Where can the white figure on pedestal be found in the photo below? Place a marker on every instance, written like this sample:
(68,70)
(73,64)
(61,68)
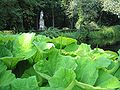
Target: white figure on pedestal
(41,21)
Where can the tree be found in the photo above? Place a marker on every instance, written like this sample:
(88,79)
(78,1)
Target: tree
(93,11)
(18,14)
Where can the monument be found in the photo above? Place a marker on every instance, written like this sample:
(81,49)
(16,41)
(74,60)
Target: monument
(41,21)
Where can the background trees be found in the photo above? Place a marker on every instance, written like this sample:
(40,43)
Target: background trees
(24,14)
(18,14)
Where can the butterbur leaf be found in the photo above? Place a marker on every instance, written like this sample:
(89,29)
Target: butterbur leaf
(63,41)
(28,73)
(117,74)
(41,38)
(31,72)
(106,80)
(77,88)
(62,78)
(25,84)
(99,62)
(54,61)
(11,62)
(21,49)
(5,88)
(2,67)
(113,67)
(24,41)
(83,50)
(86,71)
(66,62)
(71,48)
(107,54)
(7,37)
(43,45)
(50,88)
(4,52)
(7,56)
(6,77)
(41,68)
(46,66)
(23,45)
(111,55)
(83,86)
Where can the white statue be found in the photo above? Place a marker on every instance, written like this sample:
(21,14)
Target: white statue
(41,21)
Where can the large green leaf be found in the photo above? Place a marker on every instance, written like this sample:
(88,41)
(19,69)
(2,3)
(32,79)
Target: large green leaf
(107,80)
(41,44)
(41,50)
(41,38)
(78,50)
(50,88)
(21,49)
(53,62)
(31,72)
(5,52)
(7,37)
(83,50)
(117,74)
(11,61)
(113,67)
(98,62)
(62,78)
(71,48)
(97,52)
(25,84)
(62,41)
(83,86)
(6,77)
(44,45)
(23,45)
(87,70)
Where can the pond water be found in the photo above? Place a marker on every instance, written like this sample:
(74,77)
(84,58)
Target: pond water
(112,44)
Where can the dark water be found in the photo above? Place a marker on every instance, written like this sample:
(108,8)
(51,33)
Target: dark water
(112,44)
(115,47)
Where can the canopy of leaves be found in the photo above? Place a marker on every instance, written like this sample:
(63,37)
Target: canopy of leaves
(72,67)
(112,6)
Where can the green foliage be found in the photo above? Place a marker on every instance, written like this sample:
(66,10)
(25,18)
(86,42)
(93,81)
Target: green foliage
(72,67)
(14,14)
(62,41)
(10,13)
(51,32)
(25,84)
(93,10)
(19,49)
(86,10)
(112,6)
(106,32)
(6,77)
(90,12)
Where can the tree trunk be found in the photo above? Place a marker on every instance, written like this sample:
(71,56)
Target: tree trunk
(53,17)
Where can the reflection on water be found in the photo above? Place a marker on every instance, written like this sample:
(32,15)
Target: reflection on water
(106,38)
(107,44)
